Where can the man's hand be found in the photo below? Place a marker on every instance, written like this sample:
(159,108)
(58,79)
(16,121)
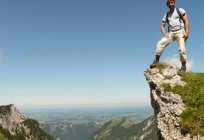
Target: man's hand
(185,36)
(166,35)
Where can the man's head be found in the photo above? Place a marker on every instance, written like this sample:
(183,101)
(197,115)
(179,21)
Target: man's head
(171,4)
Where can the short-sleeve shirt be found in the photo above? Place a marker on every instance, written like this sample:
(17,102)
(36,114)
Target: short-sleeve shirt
(175,22)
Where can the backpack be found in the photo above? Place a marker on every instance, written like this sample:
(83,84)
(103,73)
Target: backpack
(179,13)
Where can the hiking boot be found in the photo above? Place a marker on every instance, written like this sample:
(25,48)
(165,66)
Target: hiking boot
(183,68)
(154,64)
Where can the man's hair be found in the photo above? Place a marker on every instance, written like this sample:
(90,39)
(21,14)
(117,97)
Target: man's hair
(170,0)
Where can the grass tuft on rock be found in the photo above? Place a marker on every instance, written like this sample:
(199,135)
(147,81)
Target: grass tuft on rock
(192,119)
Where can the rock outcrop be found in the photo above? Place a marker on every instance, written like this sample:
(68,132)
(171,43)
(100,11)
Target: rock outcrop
(11,119)
(167,106)
(16,126)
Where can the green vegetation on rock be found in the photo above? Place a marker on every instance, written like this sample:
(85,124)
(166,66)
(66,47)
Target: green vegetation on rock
(4,109)
(2,137)
(36,131)
(192,119)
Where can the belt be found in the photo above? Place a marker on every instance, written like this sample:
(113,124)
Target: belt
(175,30)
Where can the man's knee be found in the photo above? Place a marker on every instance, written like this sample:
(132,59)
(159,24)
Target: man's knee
(161,44)
(183,56)
(182,51)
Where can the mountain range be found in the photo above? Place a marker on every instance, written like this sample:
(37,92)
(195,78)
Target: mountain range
(126,129)
(70,131)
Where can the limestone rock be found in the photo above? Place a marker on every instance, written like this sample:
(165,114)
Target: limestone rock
(12,119)
(17,126)
(167,106)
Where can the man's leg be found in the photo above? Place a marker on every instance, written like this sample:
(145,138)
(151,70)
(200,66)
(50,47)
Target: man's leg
(160,48)
(183,67)
(155,62)
(182,51)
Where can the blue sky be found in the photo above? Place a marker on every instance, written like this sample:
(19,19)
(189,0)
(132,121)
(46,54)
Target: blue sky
(70,52)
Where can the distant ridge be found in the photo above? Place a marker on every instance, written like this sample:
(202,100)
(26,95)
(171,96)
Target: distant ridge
(16,126)
(125,129)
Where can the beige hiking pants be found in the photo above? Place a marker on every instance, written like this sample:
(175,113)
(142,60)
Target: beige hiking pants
(178,36)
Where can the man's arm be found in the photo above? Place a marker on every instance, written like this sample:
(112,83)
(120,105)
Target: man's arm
(186,26)
(162,28)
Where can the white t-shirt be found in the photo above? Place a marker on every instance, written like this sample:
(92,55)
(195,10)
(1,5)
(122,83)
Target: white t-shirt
(175,22)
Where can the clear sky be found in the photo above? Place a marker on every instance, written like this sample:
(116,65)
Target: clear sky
(67,52)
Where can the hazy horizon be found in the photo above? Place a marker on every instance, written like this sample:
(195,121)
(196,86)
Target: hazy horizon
(67,106)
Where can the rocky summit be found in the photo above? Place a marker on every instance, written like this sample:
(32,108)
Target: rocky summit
(16,126)
(168,106)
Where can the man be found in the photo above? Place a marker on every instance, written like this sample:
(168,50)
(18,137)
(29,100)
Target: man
(175,18)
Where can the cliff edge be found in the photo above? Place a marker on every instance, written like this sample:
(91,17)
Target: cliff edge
(169,106)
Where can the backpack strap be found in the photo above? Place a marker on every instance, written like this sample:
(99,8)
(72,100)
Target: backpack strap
(179,13)
(167,19)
